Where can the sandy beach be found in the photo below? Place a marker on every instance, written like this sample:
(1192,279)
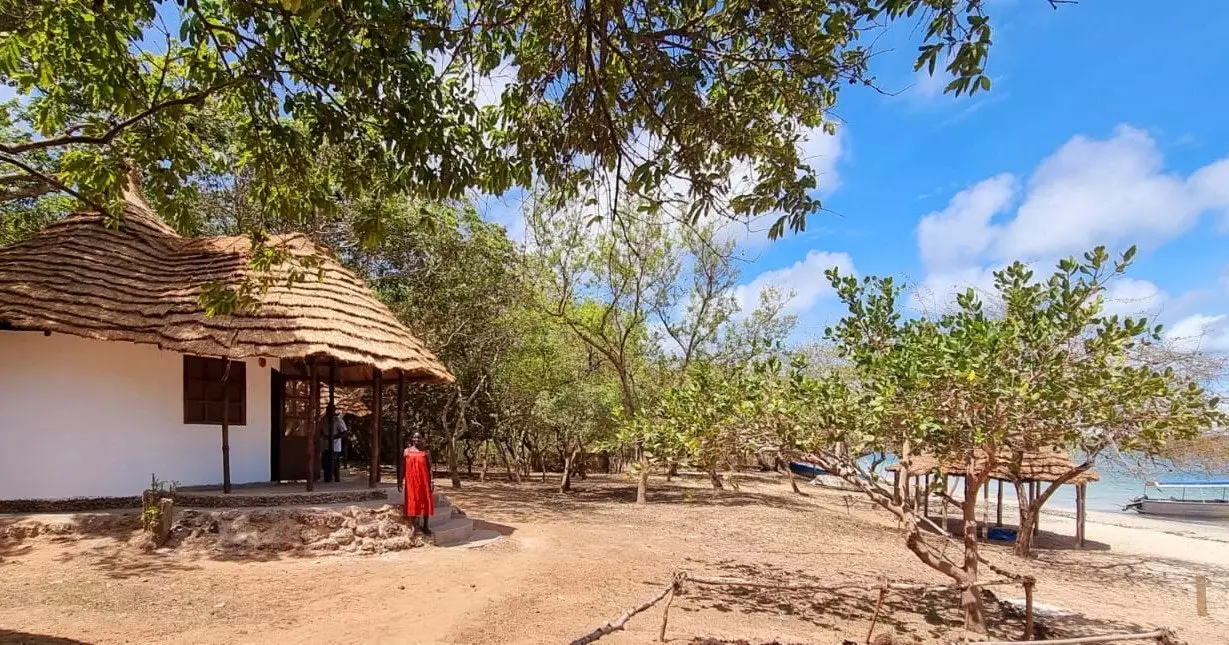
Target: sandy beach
(567,563)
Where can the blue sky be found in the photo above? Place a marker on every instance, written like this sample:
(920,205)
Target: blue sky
(1105,125)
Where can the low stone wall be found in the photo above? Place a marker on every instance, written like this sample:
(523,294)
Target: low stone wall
(351,529)
(71,505)
(194,499)
(237,500)
(236,533)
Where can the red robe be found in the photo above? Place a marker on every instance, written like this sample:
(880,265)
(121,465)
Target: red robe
(418,497)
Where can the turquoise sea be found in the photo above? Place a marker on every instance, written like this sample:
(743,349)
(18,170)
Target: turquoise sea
(1119,485)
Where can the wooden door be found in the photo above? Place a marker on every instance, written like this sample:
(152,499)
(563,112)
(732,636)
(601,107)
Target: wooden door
(296,423)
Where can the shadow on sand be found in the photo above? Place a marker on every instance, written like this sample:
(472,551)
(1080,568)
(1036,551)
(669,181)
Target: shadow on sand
(10,637)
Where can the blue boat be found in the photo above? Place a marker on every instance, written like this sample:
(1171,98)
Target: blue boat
(806,470)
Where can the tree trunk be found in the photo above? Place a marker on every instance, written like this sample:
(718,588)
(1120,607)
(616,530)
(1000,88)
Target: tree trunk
(715,478)
(642,486)
(970,598)
(486,459)
(514,474)
(672,471)
(565,481)
(793,483)
(1024,530)
(453,469)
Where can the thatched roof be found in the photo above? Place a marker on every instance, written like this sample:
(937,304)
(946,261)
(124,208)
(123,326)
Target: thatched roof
(141,283)
(347,400)
(1041,465)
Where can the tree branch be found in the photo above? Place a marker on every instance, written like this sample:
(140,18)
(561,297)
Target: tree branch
(122,125)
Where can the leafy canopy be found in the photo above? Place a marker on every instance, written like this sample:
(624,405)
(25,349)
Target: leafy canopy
(665,97)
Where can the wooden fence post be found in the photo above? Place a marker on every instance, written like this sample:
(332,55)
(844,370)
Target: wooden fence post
(1201,595)
(1028,607)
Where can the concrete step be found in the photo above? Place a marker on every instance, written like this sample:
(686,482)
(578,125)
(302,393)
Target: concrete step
(443,514)
(453,530)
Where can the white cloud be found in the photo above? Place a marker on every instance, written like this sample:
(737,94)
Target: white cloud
(822,151)
(489,89)
(1093,192)
(937,292)
(1112,191)
(1200,332)
(962,232)
(1131,297)
(805,279)
(1089,192)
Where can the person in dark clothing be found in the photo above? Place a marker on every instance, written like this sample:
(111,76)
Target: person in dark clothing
(331,434)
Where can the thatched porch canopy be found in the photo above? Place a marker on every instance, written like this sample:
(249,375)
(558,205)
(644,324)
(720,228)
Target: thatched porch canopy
(1035,466)
(141,282)
(347,400)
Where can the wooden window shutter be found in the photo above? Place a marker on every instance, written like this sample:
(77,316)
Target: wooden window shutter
(204,391)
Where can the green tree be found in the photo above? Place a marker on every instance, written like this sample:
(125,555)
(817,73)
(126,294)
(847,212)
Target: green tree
(975,388)
(647,91)
(453,279)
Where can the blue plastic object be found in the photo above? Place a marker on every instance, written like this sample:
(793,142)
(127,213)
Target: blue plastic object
(1001,533)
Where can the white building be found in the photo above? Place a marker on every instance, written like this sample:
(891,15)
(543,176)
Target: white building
(111,370)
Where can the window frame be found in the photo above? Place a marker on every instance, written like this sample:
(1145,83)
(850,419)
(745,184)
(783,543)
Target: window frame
(202,393)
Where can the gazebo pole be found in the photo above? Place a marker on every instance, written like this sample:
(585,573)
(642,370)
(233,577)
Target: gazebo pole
(1034,490)
(313,403)
(377,395)
(998,514)
(332,412)
(985,506)
(400,428)
(1081,500)
(226,427)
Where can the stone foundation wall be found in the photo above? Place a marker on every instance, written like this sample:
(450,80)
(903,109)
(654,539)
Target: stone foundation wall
(191,499)
(236,532)
(307,531)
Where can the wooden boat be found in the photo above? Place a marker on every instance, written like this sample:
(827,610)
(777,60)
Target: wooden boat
(1185,503)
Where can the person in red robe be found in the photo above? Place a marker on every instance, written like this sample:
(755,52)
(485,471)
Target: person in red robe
(419,489)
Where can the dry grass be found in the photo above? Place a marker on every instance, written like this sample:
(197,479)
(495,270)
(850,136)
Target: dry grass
(567,564)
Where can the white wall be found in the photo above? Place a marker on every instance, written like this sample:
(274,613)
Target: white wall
(89,418)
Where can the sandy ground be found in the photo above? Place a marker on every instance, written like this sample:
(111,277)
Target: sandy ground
(568,563)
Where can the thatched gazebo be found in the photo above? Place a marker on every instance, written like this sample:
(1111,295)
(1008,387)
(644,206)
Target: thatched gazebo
(309,320)
(1032,469)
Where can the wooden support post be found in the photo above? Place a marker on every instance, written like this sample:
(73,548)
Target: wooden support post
(1081,513)
(226,427)
(377,395)
(998,514)
(330,423)
(1034,489)
(401,429)
(1201,595)
(313,404)
(926,499)
(896,494)
(1028,607)
(943,503)
(985,509)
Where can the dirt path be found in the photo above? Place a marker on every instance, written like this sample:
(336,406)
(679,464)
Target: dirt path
(568,563)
